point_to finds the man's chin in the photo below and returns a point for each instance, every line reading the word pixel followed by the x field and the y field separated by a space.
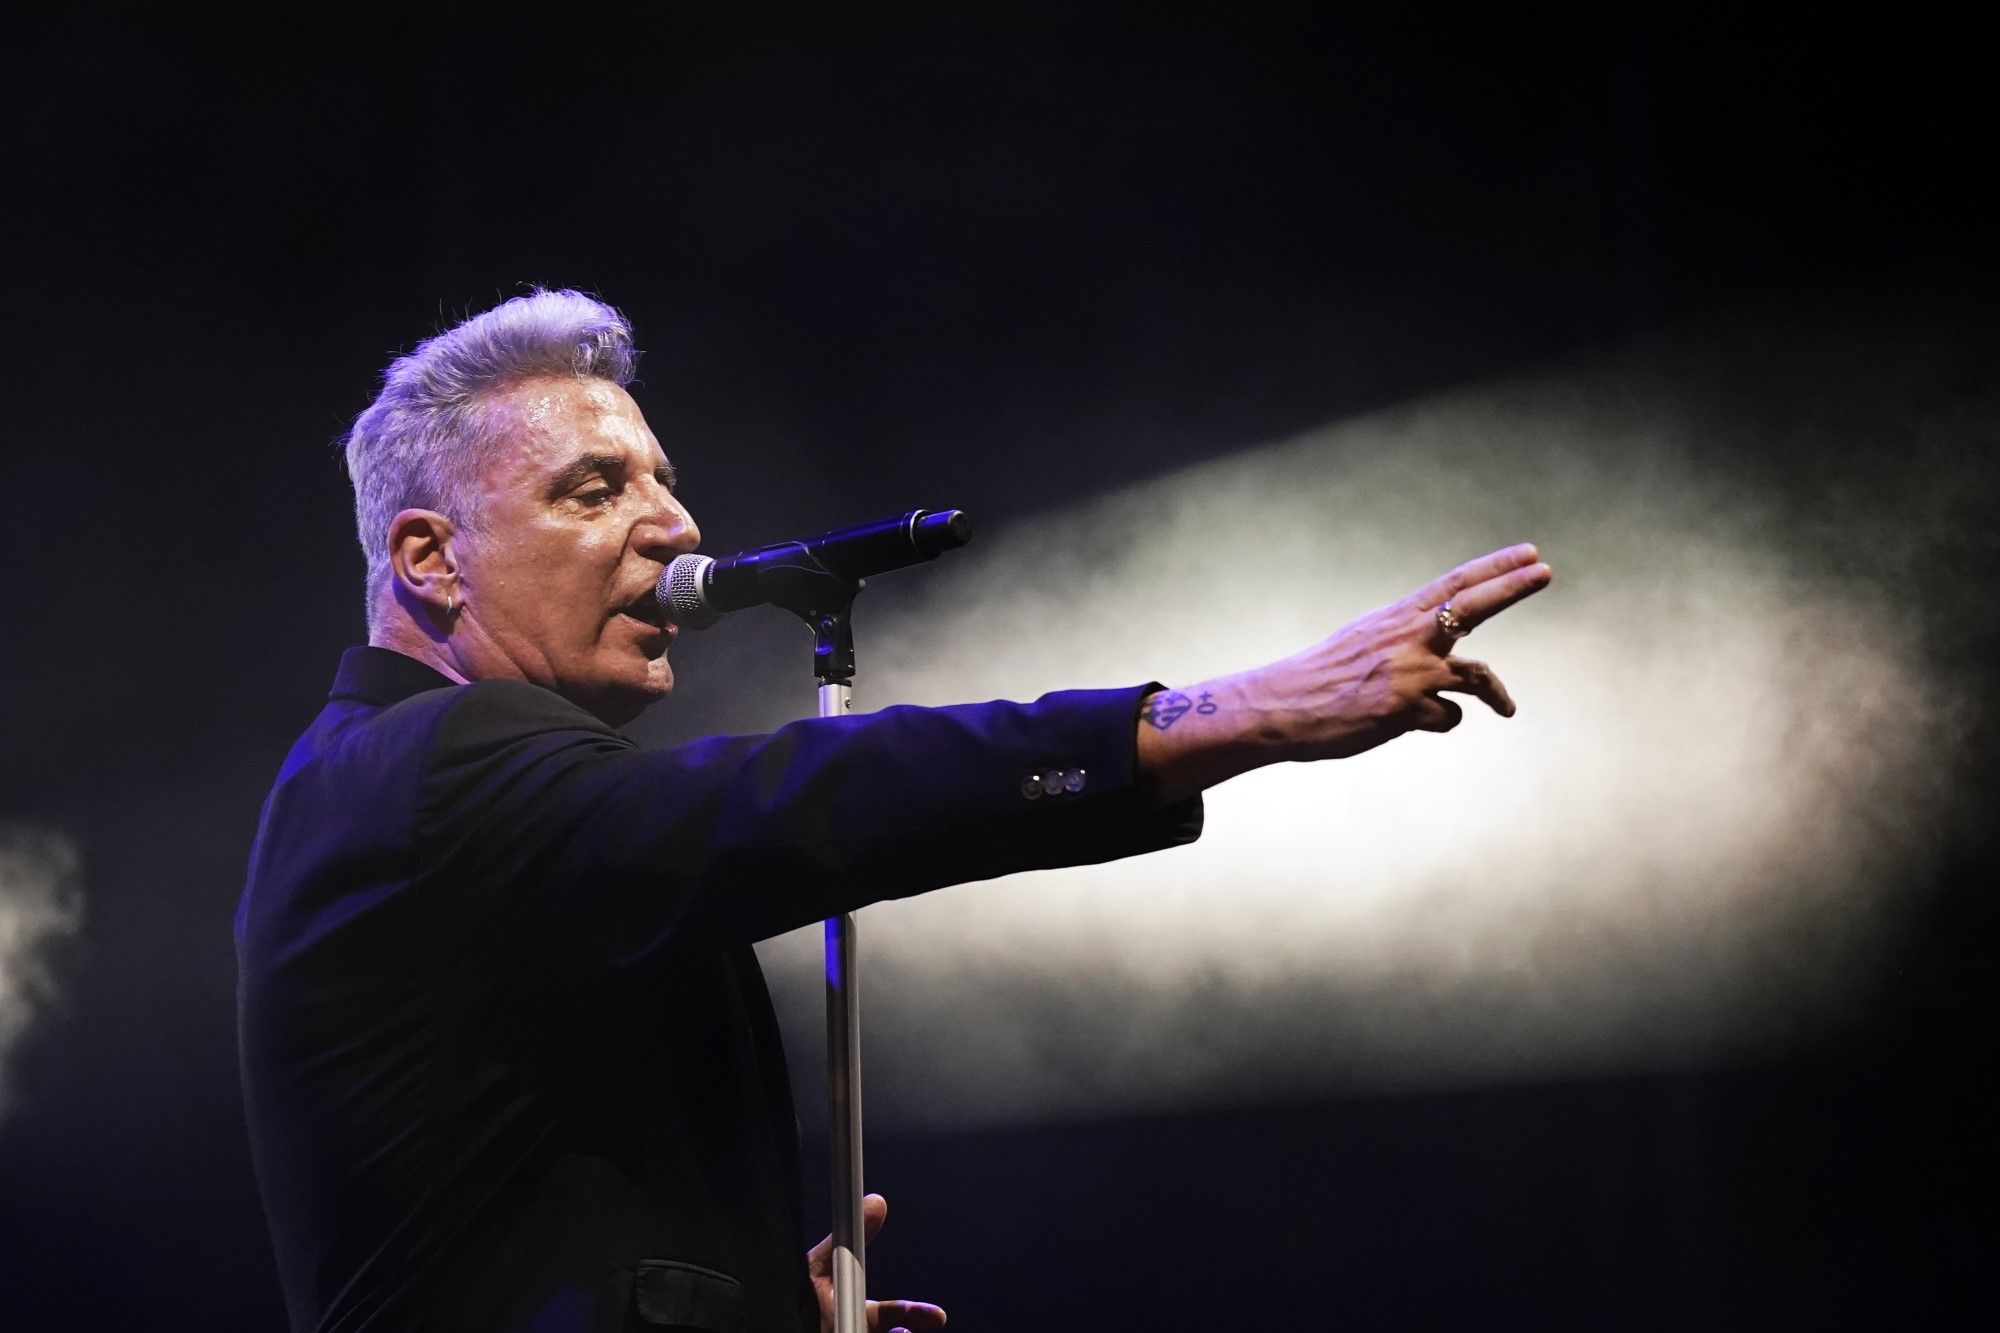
pixel 620 701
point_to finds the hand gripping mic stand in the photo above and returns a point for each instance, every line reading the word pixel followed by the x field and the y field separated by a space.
pixel 818 581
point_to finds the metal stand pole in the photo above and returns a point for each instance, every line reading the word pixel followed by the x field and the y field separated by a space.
pixel 843 1086
pixel 818 581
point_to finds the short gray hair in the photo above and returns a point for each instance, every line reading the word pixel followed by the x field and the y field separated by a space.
pixel 422 440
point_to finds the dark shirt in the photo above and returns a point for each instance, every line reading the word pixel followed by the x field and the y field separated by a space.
pixel 508 1058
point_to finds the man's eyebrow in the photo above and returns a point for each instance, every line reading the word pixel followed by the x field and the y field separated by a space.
pixel 576 473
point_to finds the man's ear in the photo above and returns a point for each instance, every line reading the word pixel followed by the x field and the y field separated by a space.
pixel 423 568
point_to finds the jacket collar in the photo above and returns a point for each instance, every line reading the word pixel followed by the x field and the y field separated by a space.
pixel 383 676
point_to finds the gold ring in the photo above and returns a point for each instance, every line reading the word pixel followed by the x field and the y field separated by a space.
pixel 1450 622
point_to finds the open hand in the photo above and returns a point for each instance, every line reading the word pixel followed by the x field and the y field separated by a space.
pixel 1372 680
pixel 1387 672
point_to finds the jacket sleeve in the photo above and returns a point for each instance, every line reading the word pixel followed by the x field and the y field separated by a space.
pixel 563 832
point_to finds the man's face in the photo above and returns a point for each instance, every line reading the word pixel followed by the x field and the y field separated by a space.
pixel 575 519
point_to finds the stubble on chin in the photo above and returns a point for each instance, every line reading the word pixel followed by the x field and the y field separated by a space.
pixel 628 699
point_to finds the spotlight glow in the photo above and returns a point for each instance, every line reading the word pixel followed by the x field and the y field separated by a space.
pixel 1724 762
pixel 38 904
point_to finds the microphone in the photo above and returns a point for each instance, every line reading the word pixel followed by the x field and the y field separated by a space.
pixel 695 590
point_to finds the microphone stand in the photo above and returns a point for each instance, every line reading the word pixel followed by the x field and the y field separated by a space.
pixel 824 599
pixel 833 666
pixel 821 593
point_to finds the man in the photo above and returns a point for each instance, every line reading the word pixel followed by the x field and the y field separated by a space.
pixel 508 1059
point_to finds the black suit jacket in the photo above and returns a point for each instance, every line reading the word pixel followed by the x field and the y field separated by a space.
pixel 508 1058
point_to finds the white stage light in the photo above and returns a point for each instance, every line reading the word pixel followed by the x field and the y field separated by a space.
pixel 39 904
pixel 1724 765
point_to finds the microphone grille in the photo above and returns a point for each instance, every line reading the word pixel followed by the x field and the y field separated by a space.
pixel 680 592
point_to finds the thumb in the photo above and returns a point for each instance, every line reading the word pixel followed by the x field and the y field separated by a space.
pixel 874 1212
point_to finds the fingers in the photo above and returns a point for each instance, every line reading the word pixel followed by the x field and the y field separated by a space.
pixel 874 1212
pixel 904 1317
pixel 1480 681
pixel 1473 572
pixel 894 1316
pixel 1435 714
pixel 819 1260
pixel 1482 601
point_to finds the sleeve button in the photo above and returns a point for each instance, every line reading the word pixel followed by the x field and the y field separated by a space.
pixel 1031 786
pixel 1073 780
pixel 1052 783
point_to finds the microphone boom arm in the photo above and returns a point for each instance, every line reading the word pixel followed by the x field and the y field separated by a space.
pixel 814 578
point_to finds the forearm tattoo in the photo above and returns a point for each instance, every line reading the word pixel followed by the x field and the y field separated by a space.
pixel 1166 708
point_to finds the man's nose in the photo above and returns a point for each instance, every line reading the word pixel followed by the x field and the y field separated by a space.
pixel 667 530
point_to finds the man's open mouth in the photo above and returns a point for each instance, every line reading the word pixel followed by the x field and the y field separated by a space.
pixel 647 609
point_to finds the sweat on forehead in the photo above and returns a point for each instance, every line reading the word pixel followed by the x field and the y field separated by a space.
pixel 550 421
pixel 544 399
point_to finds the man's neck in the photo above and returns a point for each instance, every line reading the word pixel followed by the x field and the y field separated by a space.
pixel 404 638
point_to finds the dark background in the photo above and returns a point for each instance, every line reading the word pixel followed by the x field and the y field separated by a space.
pixel 990 256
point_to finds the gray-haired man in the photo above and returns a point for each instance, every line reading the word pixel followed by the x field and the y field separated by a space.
pixel 508 1058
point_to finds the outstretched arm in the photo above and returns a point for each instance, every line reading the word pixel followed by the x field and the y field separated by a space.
pixel 1372 680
